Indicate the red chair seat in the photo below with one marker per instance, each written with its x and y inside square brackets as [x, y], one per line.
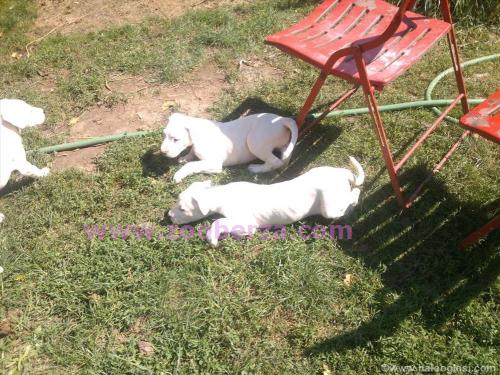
[485, 118]
[336, 24]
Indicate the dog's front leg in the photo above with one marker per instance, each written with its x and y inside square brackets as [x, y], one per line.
[201, 166]
[237, 227]
[28, 169]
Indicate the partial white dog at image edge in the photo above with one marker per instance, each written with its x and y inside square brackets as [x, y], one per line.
[220, 144]
[15, 115]
[246, 206]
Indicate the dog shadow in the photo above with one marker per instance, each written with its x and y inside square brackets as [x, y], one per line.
[16, 184]
[254, 105]
[155, 164]
[423, 266]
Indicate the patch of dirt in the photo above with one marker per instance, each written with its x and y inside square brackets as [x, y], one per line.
[68, 16]
[253, 72]
[142, 105]
[147, 107]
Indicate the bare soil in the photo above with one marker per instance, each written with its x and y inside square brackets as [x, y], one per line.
[148, 106]
[68, 16]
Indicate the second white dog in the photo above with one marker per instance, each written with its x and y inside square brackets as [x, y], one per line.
[246, 206]
[15, 115]
[218, 144]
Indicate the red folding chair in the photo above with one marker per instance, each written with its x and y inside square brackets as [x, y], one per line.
[370, 43]
[483, 120]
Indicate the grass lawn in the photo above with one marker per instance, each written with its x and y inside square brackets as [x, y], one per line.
[73, 305]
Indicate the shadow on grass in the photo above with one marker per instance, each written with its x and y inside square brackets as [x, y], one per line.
[252, 106]
[16, 184]
[423, 266]
[155, 164]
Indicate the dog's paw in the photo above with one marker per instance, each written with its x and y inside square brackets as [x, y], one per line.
[178, 177]
[2, 217]
[255, 168]
[44, 172]
[213, 237]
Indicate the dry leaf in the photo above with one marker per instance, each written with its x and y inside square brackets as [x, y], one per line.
[138, 326]
[93, 297]
[5, 328]
[168, 104]
[348, 279]
[146, 348]
[326, 370]
[73, 121]
[16, 55]
[119, 337]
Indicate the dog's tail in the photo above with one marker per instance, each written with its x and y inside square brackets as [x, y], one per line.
[294, 135]
[359, 176]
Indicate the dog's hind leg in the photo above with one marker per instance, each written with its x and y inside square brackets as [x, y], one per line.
[262, 145]
[271, 163]
[355, 196]
[270, 160]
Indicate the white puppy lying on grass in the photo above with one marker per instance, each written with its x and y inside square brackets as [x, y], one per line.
[218, 144]
[246, 206]
[15, 115]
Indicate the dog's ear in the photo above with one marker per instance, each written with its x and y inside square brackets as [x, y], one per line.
[203, 200]
[14, 112]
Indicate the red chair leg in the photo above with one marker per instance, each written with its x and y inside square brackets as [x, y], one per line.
[455, 58]
[479, 233]
[337, 103]
[379, 130]
[310, 99]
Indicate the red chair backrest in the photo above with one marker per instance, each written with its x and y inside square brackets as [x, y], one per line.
[398, 18]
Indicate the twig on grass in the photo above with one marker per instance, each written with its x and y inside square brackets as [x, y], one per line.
[36, 41]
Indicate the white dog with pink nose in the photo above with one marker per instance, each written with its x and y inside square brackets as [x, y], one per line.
[220, 144]
[16, 115]
[246, 206]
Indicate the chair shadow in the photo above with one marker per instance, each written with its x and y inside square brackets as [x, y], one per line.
[423, 265]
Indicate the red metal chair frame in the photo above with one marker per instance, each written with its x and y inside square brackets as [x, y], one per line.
[356, 50]
[483, 120]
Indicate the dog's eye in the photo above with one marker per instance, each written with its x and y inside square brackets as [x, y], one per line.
[174, 139]
[182, 209]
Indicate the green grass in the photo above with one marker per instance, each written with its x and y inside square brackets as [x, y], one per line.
[80, 306]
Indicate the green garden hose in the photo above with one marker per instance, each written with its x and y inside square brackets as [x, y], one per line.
[429, 102]
[440, 76]
[91, 142]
